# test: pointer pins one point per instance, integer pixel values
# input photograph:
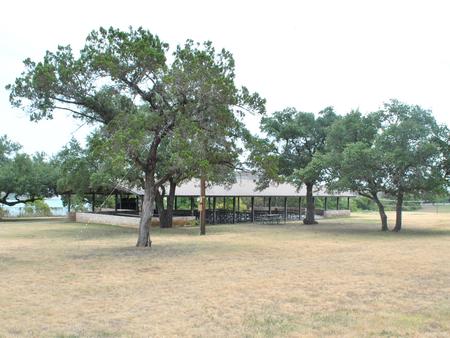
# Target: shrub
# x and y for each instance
(37, 208)
(3, 212)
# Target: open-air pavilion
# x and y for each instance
(235, 203)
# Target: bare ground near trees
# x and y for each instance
(339, 278)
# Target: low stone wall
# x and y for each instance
(72, 216)
(336, 213)
(84, 217)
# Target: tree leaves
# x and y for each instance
(164, 118)
(292, 150)
(24, 178)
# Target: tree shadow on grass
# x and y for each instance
(81, 231)
(87, 232)
(24, 220)
(211, 229)
(371, 229)
(353, 230)
(166, 243)
(162, 250)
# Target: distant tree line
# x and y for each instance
(24, 178)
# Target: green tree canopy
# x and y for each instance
(122, 80)
(292, 150)
(24, 178)
(399, 150)
(353, 162)
(412, 154)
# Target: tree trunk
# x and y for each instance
(383, 216)
(146, 217)
(166, 214)
(159, 202)
(310, 206)
(398, 212)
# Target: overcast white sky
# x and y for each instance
(306, 54)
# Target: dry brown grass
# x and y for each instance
(340, 278)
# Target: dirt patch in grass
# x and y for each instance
(342, 277)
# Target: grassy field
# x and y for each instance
(340, 278)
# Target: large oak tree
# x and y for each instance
(399, 150)
(414, 159)
(353, 162)
(122, 80)
(290, 153)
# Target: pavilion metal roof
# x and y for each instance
(245, 186)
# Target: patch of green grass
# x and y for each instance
(332, 319)
(436, 209)
(385, 333)
(269, 324)
(96, 334)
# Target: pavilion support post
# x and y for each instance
(176, 203)
(214, 210)
(348, 203)
(337, 203)
(325, 205)
(93, 202)
(285, 210)
(224, 203)
(234, 209)
(270, 205)
(115, 202)
(137, 203)
(202, 205)
(68, 202)
(299, 208)
(239, 209)
(253, 209)
(192, 205)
